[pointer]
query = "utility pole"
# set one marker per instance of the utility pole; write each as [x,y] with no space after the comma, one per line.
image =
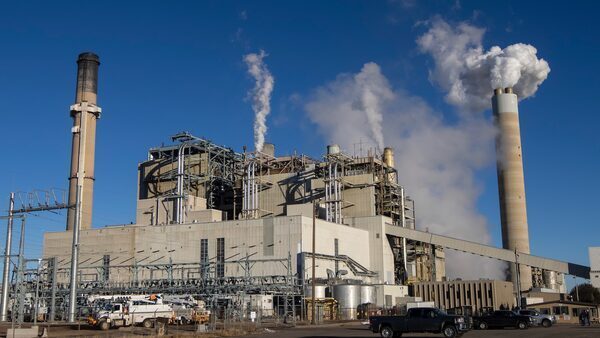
[314,226]
[20,286]
[77,226]
[6,271]
[518,272]
[576,287]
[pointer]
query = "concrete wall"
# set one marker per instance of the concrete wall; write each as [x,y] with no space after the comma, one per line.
[284,189]
[380,253]
[360,201]
[268,238]
[352,242]
[391,295]
[595,266]
[159,210]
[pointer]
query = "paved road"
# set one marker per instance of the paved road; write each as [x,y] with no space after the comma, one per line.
[357,330]
[331,331]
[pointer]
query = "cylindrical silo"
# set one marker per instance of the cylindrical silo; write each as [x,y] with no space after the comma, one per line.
[511,182]
[388,156]
[320,291]
[348,297]
[84,139]
[269,149]
[550,279]
[333,149]
[388,159]
[368,294]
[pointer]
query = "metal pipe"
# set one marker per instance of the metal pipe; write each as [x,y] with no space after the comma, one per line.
[518,277]
[335,194]
[6,270]
[314,227]
[179,206]
[327,194]
[403,224]
[255,205]
[74,261]
[338,195]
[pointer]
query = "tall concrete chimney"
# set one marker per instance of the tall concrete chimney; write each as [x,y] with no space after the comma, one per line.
[511,182]
[84,112]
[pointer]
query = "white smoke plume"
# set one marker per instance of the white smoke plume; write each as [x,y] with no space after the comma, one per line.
[469,74]
[436,161]
[261,95]
[359,102]
[373,92]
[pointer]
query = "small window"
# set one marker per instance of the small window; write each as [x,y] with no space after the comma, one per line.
[377,236]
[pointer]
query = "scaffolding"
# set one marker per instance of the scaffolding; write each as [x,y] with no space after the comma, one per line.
[196,167]
[44,283]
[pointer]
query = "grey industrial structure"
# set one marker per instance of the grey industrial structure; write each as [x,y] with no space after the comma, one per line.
[480,295]
[212,222]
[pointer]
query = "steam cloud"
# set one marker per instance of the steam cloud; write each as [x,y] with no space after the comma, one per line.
[436,161]
[373,91]
[261,95]
[463,68]
[353,101]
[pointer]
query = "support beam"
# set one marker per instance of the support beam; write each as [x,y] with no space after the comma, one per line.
[489,251]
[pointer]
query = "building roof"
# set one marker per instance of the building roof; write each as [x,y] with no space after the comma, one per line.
[565,302]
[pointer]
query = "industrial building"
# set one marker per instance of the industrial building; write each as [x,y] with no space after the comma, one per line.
[218,214]
[214,222]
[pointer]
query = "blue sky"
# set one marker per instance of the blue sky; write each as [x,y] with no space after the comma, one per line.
[169,66]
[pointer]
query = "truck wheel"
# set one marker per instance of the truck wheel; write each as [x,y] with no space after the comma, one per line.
[449,331]
[103,325]
[482,326]
[147,323]
[386,332]
[546,323]
[521,325]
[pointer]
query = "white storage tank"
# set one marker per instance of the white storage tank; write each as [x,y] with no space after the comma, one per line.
[320,291]
[333,149]
[348,297]
[368,294]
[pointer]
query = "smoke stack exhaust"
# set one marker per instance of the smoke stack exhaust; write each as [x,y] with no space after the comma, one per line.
[268,149]
[84,112]
[511,182]
[388,156]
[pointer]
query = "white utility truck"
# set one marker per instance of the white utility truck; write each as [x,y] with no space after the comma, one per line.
[132,312]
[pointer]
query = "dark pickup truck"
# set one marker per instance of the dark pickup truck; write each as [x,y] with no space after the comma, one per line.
[419,320]
[502,319]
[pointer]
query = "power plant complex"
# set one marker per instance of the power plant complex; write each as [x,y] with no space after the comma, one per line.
[337,232]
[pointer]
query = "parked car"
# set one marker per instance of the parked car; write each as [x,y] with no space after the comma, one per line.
[424,319]
[502,319]
[539,319]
